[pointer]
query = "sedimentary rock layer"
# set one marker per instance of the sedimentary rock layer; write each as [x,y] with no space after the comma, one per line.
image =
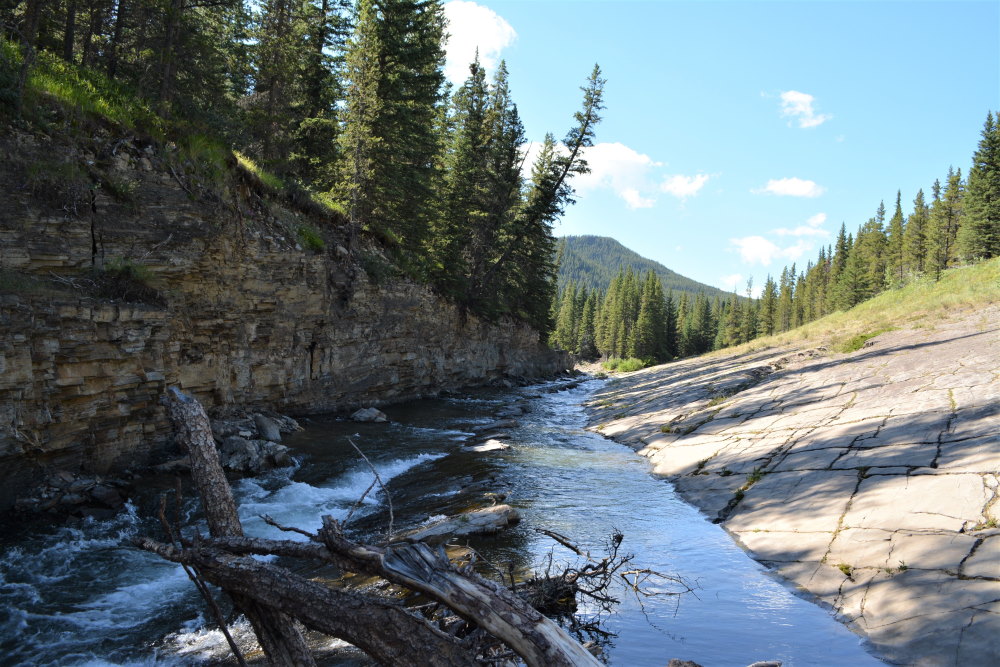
[242,314]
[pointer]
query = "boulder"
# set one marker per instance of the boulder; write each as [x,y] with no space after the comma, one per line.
[369,415]
[267,428]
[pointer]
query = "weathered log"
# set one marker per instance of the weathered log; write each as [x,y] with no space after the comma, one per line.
[491,606]
[383,630]
[272,596]
[278,634]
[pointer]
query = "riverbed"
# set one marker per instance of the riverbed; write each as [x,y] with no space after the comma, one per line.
[79,595]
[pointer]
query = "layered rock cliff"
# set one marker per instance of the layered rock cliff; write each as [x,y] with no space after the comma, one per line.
[230,307]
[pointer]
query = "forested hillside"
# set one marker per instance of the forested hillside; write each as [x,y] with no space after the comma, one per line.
[342,105]
[635,317]
[593,262]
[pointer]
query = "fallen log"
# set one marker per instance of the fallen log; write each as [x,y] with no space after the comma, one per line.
[281,640]
[273,597]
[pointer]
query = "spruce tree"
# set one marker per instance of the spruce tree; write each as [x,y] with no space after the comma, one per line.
[979,234]
[945,220]
[915,236]
[895,267]
[768,308]
[390,141]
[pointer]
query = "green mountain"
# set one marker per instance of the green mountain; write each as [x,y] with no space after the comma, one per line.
[593,261]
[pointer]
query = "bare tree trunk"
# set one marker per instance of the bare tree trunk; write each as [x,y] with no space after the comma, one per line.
[69,33]
[278,634]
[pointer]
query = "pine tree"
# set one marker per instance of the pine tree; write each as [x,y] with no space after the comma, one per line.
[945,219]
[586,345]
[915,236]
[670,324]
[979,234]
[895,267]
[391,146]
[851,286]
[768,308]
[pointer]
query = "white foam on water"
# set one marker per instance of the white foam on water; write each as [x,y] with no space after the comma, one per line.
[302,505]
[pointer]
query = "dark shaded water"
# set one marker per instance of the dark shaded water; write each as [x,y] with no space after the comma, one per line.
[78,596]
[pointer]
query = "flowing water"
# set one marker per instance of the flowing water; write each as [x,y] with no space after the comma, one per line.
[79,595]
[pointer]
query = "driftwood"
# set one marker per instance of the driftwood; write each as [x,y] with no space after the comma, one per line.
[499,624]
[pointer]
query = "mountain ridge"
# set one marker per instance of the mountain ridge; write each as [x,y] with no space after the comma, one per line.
[593,261]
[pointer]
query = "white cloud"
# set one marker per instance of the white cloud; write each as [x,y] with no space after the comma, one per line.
[816,220]
[729,283]
[631,175]
[682,186]
[791,187]
[621,169]
[472,26]
[799,107]
[759,250]
[756,249]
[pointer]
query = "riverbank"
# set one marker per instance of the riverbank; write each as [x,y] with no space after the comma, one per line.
[868,479]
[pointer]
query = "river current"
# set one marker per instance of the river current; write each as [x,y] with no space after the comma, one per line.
[80,595]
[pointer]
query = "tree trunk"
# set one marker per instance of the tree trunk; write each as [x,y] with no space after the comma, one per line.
[69,33]
[278,634]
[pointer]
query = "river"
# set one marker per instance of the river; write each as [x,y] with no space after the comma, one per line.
[79,595]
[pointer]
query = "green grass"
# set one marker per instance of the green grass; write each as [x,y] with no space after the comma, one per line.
[856,342]
[264,176]
[81,92]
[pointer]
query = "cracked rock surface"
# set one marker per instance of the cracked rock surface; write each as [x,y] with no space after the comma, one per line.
[870,479]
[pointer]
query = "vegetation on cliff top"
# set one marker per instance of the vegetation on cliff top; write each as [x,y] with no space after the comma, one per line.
[340,107]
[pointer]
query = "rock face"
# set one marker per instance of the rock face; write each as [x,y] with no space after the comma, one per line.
[238,314]
[870,479]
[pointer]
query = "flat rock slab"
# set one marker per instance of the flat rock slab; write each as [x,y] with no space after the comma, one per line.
[869,479]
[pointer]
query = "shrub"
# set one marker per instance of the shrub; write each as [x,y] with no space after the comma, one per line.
[624,365]
[309,237]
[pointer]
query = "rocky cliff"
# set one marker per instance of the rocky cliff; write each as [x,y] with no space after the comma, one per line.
[121,272]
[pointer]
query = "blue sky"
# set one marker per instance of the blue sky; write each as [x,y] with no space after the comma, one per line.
[738,136]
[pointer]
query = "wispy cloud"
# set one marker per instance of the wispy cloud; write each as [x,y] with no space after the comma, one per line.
[624,170]
[473,26]
[791,187]
[682,186]
[759,250]
[799,108]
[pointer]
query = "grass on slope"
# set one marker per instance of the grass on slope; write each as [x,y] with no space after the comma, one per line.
[84,96]
[919,304]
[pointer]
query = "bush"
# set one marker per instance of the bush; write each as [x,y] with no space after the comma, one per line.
[624,365]
[309,237]
[125,280]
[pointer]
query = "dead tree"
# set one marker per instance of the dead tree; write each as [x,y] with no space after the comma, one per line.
[272,596]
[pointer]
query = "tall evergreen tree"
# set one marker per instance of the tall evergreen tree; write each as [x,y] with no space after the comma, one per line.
[979,235]
[894,258]
[391,146]
[915,236]
[945,219]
